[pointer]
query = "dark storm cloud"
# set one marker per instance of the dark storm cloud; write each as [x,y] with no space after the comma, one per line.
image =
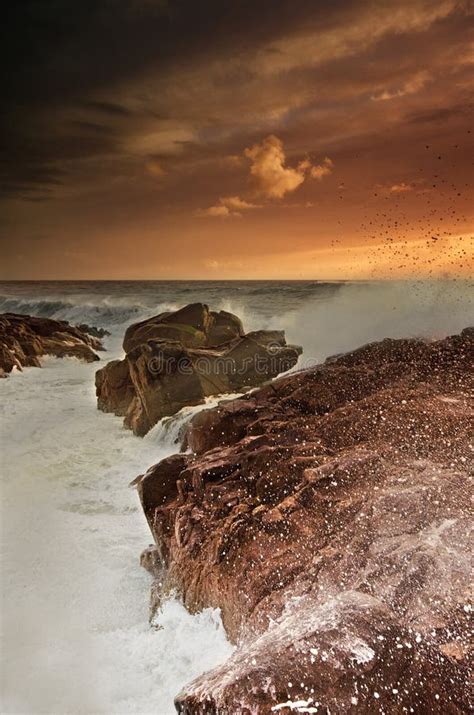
[118,83]
[91,127]
[59,48]
[107,108]
[61,54]
[35,155]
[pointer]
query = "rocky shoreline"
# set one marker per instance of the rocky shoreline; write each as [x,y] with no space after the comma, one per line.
[327,515]
[24,339]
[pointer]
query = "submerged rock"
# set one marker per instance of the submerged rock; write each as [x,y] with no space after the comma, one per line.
[25,338]
[179,358]
[327,515]
[93,330]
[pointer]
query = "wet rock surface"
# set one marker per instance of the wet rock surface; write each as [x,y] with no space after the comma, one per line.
[328,516]
[24,339]
[93,330]
[180,358]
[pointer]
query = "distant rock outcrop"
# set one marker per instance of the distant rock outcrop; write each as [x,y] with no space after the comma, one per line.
[328,516]
[180,358]
[25,338]
[93,330]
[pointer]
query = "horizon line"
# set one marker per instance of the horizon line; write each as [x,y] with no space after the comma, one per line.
[235,280]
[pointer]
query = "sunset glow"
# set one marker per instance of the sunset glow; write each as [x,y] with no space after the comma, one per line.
[319,141]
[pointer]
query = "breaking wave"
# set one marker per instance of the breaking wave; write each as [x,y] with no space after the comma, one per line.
[104,313]
[109,304]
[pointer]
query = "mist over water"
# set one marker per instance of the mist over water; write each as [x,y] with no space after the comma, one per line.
[360,313]
[74,599]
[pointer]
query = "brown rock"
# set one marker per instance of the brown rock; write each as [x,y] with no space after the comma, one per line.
[26,338]
[150,560]
[327,515]
[93,330]
[156,489]
[224,327]
[188,326]
[114,387]
[347,655]
[177,359]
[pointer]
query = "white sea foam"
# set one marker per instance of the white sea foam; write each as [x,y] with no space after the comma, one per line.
[75,604]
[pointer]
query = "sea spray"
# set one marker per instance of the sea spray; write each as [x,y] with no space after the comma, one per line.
[75,615]
[359,313]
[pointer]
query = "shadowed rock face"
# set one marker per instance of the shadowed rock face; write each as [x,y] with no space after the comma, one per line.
[180,358]
[25,338]
[327,515]
[93,330]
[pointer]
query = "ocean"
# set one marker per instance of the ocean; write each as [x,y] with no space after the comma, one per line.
[76,637]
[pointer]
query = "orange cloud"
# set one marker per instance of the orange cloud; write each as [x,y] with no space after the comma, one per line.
[400,188]
[235,202]
[322,170]
[228,206]
[274,178]
[215,212]
[412,86]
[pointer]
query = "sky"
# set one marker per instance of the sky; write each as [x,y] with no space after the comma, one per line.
[297,139]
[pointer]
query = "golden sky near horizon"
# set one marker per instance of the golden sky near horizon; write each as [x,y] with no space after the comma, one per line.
[179,140]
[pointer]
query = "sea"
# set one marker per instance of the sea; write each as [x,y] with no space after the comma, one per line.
[74,610]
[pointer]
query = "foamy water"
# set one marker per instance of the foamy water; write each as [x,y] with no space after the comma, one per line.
[75,601]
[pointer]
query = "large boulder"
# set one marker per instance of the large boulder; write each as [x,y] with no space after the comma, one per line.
[180,358]
[327,515]
[26,338]
[193,326]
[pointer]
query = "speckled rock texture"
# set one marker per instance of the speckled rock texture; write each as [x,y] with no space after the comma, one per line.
[328,516]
